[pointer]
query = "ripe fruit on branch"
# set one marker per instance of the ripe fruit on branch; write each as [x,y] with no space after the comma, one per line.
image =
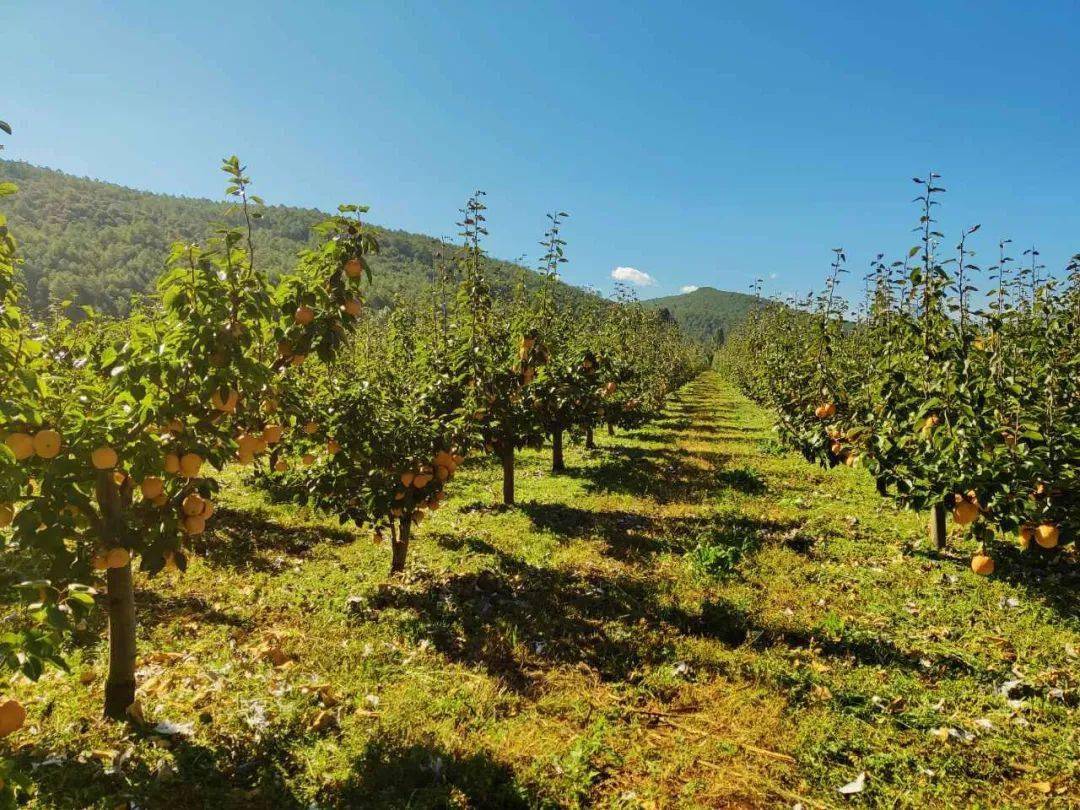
[12,717]
[965,512]
[192,505]
[826,411]
[307,459]
[1046,535]
[332,446]
[311,428]
[117,557]
[172,463]
[353,307]
[354,268]
[47,443]
[151,487]
[982,565]
[1026,535]
[21,445]
[226,404]
[104,458]
[304,315]
[281,465]
[249,445]
[190,464]
[271,434]
[194,524]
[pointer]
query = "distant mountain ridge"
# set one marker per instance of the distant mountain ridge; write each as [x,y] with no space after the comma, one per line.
[707,314]
[97,243]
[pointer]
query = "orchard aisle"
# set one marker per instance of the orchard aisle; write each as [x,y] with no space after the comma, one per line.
[687,617]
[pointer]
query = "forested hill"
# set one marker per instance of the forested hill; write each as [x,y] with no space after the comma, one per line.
[706,314]
[96,243]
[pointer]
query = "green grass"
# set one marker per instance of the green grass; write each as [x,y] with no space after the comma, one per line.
[687,618]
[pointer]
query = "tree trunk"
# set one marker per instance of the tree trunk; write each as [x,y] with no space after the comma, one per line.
[507,454]
[557,464]
[590,440]
[937,525]
[120,601]
[610,428]
[400,546]
[120,687]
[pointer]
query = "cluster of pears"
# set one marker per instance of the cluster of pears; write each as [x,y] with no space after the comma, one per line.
[441,470]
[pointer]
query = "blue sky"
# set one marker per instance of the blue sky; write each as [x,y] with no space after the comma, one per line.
[700,143]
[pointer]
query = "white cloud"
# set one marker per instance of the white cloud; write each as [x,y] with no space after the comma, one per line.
[689,288]
[772,275]
[634,276]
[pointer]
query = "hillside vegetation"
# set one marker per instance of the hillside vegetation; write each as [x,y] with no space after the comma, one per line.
[96,243]
[707,314]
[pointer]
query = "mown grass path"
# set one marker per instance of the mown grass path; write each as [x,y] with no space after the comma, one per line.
[688,618]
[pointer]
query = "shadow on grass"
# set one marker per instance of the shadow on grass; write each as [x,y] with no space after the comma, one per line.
[627,534]
[155,607]
[664,474]
[1045,577]
[653,436]
[715,541]
[724,621]
[254,773]
[516,620]
[250,540]
[241,774]
[396,774]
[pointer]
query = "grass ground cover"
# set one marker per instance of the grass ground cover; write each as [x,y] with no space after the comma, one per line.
[688,617]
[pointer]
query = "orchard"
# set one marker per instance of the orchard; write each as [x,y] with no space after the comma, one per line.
[114,430]
[961,402]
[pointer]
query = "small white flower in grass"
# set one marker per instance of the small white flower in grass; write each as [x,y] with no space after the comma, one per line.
[856,785]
